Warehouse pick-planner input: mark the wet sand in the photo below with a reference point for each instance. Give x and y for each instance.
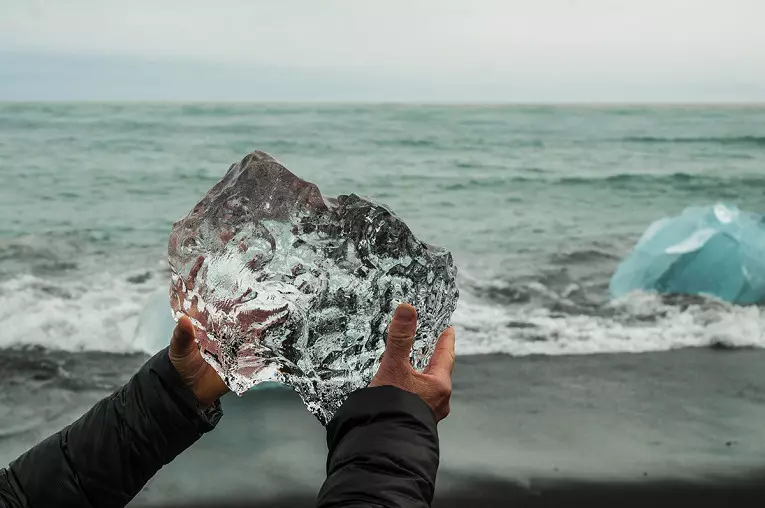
(589, 425)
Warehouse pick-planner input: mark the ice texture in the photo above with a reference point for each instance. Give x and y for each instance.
(715, 250)
(284, 284)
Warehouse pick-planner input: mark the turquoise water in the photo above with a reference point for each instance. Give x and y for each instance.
(538, 204)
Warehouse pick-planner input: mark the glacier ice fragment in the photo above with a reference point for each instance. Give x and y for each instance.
(284, 284)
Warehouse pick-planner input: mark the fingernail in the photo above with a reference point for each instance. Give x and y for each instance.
(404, 313)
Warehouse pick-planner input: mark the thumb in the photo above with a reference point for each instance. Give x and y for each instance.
(182, 343)
(401, 332)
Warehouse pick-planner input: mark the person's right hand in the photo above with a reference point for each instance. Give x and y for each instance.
(196, 373)
(434, 384)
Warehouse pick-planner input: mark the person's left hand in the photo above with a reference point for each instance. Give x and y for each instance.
(434, 384)
(198, 375)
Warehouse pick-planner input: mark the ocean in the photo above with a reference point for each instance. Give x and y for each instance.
(538, 204)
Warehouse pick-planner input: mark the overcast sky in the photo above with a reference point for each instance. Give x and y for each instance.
(418, 50)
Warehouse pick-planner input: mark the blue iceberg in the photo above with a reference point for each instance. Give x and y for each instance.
(155, 324)
(715, 250)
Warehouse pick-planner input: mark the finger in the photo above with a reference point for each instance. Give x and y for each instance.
(442, 361)
(401, 332)
(182, 343)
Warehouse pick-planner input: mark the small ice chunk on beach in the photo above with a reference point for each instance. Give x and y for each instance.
(716, 250)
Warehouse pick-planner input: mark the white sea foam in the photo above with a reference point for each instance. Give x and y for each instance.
(106, 313)
(639, 322)
(94, 313)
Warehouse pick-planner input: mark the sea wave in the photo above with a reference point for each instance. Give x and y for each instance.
(407, 142)
(638, 323)
(94, 313)
(129, 314)
(678, 178)
(721, 140)
(678, 181)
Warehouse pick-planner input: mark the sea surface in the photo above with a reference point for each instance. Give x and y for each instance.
(538, 204)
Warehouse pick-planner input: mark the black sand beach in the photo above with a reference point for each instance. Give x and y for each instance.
(597, 429)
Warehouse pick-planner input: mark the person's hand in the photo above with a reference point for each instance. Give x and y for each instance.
(194, 370)
(434, 384)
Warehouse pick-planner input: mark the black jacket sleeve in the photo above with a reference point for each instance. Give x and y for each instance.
(104, 459)
(383, 451)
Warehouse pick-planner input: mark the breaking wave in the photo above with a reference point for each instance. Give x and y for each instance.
(638, 323)
(95, 313)
(131, 314)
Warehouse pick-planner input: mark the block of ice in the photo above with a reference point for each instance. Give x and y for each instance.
(284, 284)
(155, 327)
(717, 250)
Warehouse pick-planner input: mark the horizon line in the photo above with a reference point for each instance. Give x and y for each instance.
(606, 103)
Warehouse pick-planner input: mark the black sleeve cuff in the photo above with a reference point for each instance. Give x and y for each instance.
(370, 405)
(204, 420)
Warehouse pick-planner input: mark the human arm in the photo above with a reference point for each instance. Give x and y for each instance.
(106, 457)
(383, 442)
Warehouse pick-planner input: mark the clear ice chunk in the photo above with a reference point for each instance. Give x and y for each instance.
(284, 284)
(715, 250)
